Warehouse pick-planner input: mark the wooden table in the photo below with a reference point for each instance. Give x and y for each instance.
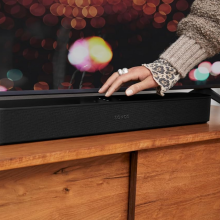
(159, 174)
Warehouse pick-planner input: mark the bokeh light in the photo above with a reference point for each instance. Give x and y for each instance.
(41, 86)
(206, 65)
(50, 20)
(165, 9)
(153, 2)
(168, 1)
(37, 9)
(47, 44)
(7, 83)
(192, 75)
(182, 5)
(66, 23)
(68, 11)
(10, 2)
(149, 9)
(65, 85)
(2, 89)
(178, 16)
(159, 18)
(7, 23)
(2, 18)
(90, 54)
(98, 22)
(50, 26)
(35, 42)
(216, 68)
(30, 54)
(201, 76)
(78, 23)
(172, 26)
(27, 3)
(14, 74)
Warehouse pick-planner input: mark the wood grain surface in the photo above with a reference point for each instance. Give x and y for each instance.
(132, 185)
(86, 189)
(179, 183)
(30, 154)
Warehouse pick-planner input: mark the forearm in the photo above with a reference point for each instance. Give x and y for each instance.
(199, 37)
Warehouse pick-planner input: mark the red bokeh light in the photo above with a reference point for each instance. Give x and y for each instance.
(50, 20)
(172, 26)
(37, 9)
(149, 10)
(182, 5)
(165, 9)
(41, 86)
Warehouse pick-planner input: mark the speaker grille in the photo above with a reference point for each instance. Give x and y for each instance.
(22, 124)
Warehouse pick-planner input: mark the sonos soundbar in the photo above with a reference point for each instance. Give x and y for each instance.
(45, 119)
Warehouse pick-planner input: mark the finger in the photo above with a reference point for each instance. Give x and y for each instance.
(133, 74)
(119, 87)
(145, 84)
(109, 82)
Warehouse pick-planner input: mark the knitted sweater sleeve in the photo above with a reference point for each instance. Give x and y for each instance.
(199, 37)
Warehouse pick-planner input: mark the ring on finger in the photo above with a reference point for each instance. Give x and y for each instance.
(122, 71)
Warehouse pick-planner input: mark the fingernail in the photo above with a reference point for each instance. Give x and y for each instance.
(129, 92)
(107, 93)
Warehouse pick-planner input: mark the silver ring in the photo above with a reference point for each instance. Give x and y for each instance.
(122, 71)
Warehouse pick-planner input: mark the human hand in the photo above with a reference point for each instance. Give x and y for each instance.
(140, 73)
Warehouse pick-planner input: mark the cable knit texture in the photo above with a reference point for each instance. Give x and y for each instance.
(199, 37)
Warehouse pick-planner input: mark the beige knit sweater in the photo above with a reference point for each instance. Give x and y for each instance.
(199, 39)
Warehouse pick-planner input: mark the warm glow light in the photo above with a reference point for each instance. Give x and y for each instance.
(99, 50)
(41, 86)
(37, 9)
(90, 54)
(172, 26)
(149, 9)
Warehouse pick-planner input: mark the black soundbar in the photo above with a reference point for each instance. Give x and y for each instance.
(45, 119)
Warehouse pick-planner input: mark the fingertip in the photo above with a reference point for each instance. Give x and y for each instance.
(129, 92)
(107, 94)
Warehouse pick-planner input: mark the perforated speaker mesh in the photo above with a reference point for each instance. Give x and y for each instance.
(33, 123)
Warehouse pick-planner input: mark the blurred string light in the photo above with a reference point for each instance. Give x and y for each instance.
(204, 70)
(75, 13)
(90, 54)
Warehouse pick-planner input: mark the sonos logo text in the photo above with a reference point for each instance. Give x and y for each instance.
(121, 117)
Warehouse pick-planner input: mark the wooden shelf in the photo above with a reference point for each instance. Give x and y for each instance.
(44, 152)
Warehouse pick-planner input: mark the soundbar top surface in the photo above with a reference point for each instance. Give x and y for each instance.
(97, 100)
